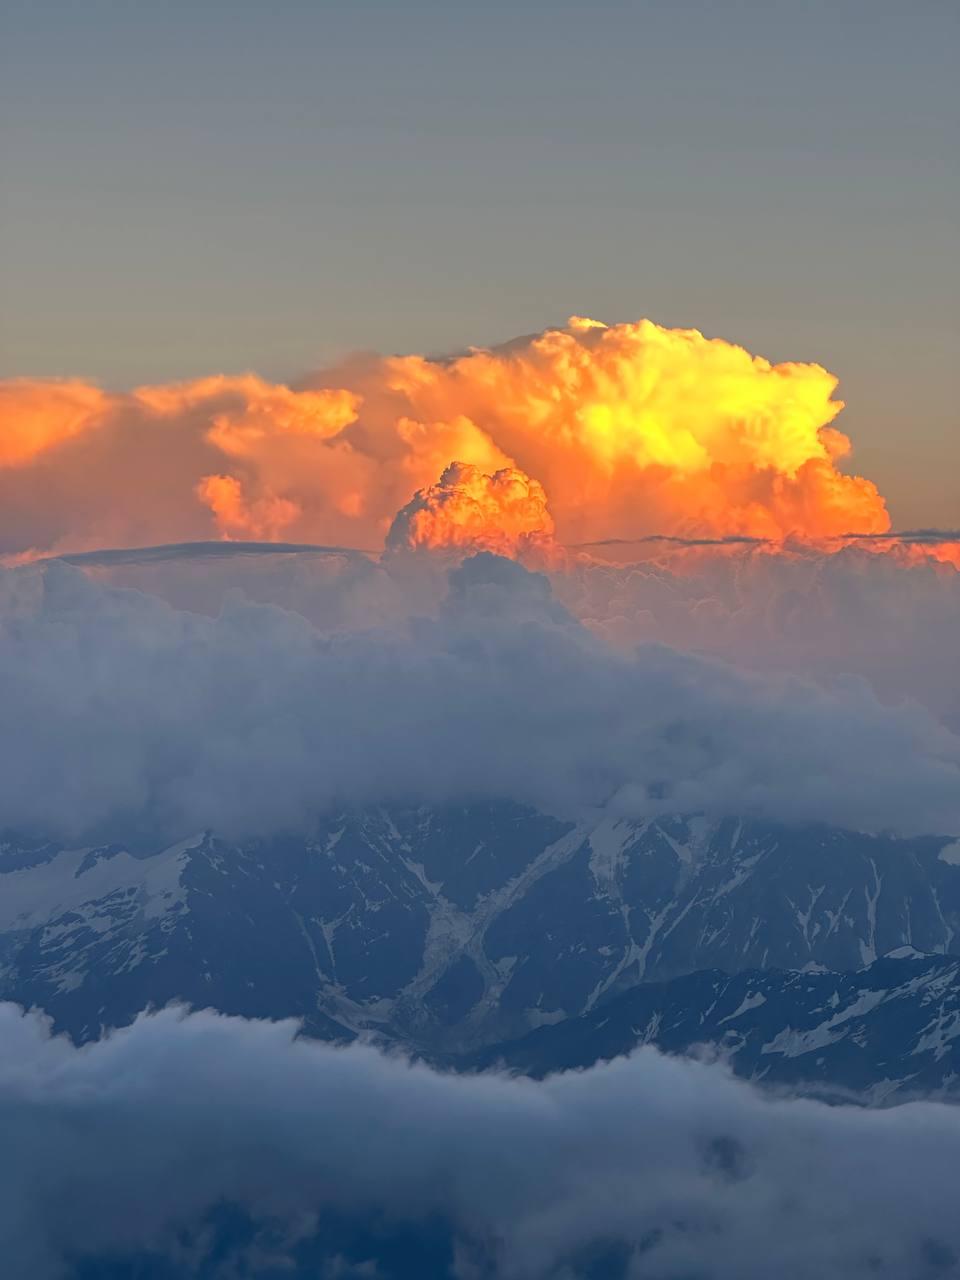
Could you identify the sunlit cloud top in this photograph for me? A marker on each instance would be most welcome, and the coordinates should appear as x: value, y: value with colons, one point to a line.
x: 618, y: 431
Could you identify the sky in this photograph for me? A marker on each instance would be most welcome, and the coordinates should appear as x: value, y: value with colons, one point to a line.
x: 197, y: 189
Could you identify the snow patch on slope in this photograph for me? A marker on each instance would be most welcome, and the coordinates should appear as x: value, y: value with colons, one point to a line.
x: 35, y: 895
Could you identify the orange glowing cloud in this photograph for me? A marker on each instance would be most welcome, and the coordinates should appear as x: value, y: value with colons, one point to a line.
x: 636, y: 429
x: 947, y: 553
x: 264, y: 519
x: 249, y: 412
x: 940, y: 552
x: 505, y: 513
x: 37, y: 415
x: 625, y: 431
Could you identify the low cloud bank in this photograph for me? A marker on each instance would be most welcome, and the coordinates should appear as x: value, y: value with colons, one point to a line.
x: 122, y: 713
x: 890, y: 617
x: 664, y: 1167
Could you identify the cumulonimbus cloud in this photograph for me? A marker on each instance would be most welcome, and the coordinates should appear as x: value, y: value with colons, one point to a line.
x: 128, y: 1146
x: 628, y: 430
x: 505, y: 513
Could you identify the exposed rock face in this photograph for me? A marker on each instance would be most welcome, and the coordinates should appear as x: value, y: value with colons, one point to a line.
x: 454, y: 928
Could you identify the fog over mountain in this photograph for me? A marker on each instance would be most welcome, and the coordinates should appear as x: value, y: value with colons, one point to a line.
x: 647, y: 1167
x: 121, y: 710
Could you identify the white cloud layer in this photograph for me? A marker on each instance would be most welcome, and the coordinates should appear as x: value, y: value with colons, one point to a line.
x: 116, y: 1146
x: 891, y: 617
x: 122, y: 713
x: 893, y: 620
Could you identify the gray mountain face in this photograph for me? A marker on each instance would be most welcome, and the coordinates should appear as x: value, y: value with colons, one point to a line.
x: 885, y: 1034
x: 454, y: 928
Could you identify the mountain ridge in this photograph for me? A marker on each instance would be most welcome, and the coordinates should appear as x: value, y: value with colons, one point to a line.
x: 453, y: 928
x: 883, y: 1034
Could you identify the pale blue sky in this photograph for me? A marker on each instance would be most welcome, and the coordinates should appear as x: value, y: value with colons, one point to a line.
x: 204, y: 186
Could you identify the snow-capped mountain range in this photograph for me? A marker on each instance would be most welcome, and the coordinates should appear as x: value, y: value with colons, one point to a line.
x: 886, y: 1033
x: 454, y: 929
